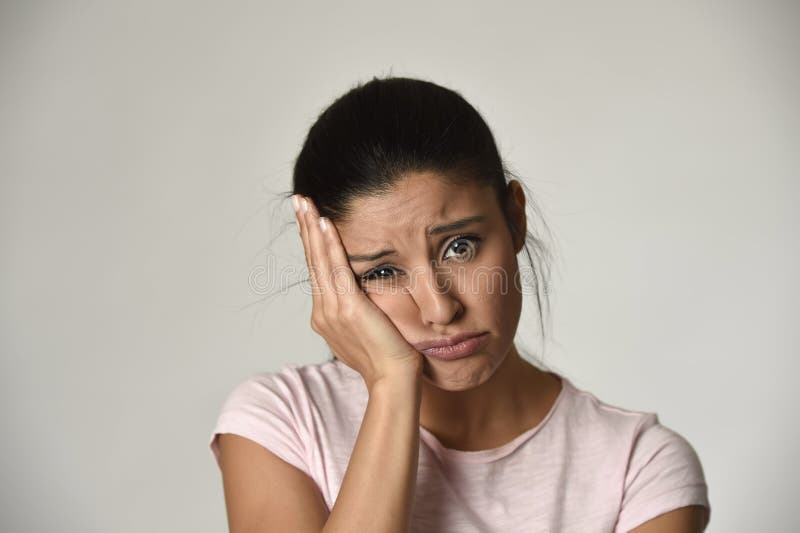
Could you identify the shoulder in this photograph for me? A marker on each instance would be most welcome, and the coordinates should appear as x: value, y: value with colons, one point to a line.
x: 640, y: 434
x: 278, y: 408
x: 291, y: 383
x: 660, y: 469
x: 664, y: 473
x: 587, y: 415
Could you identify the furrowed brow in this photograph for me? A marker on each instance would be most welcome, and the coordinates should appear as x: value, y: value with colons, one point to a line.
x: 361, y: 258
x: 458, y: 224
x: 436, y: 230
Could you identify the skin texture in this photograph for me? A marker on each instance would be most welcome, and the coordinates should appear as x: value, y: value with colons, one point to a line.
x: 436, y: 286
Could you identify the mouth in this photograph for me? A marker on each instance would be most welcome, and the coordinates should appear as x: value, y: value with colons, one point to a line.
x: 455, y: 347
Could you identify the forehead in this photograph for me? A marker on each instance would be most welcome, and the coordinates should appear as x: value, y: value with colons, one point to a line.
x: 418, y: 201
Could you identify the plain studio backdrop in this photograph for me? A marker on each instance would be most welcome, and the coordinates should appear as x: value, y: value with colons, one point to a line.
x: 142, y: 145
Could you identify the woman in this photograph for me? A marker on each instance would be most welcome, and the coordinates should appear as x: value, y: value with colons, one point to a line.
x: 428, y: 419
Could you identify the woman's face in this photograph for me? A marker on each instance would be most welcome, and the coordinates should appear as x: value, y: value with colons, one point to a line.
x: 438, y: 282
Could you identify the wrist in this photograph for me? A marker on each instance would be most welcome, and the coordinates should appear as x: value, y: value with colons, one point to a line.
x: 406, y: 379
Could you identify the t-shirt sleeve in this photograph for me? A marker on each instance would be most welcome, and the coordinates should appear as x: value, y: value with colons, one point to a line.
x: 664, y: 473
x: 268, y: 409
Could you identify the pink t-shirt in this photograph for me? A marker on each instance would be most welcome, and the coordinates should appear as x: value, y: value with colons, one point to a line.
x: 587, y: 467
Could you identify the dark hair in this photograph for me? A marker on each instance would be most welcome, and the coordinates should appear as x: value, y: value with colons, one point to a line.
x: 372, y: 135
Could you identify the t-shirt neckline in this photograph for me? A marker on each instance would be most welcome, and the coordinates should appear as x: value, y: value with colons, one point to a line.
x: 492, y: 454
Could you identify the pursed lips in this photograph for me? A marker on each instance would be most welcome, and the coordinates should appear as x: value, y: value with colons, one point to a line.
x: 445, y: 341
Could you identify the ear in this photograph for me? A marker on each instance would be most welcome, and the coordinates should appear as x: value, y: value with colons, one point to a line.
x: 516, y: 213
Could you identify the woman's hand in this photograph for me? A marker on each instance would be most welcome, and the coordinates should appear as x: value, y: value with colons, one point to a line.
x: 358, y: 332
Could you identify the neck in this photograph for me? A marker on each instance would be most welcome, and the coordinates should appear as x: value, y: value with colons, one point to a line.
x: 515, y: 398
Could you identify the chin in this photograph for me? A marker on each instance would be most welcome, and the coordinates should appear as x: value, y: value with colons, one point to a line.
x: 460, y: 374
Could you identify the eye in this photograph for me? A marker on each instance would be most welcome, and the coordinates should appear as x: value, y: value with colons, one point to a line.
x: 464, y: 246
x: 378, y: 273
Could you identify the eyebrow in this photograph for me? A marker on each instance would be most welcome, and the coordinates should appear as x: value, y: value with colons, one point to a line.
x: 436, y: 230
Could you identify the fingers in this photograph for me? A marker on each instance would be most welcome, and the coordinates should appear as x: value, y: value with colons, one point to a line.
x: 318, y: 251
x: 316, y: 257
x: 342, y: 276
x: 327, y: 254
x: 301, y: 209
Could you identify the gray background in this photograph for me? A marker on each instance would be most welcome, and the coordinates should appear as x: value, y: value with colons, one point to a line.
x: 141, y: 145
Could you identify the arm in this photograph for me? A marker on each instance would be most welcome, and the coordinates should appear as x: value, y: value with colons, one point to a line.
x: 378, y: 487
x: 265, y: 494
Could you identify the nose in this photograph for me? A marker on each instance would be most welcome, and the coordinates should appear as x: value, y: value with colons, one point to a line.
x: 435, y: 296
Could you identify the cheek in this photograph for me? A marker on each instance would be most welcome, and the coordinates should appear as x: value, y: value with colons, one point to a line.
x: 493, y: 277
x: 493, y: 289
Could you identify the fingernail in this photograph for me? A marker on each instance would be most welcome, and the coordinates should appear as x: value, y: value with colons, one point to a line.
x: 305, y: 205
x: 295, y: 203
x: 323, y: 224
